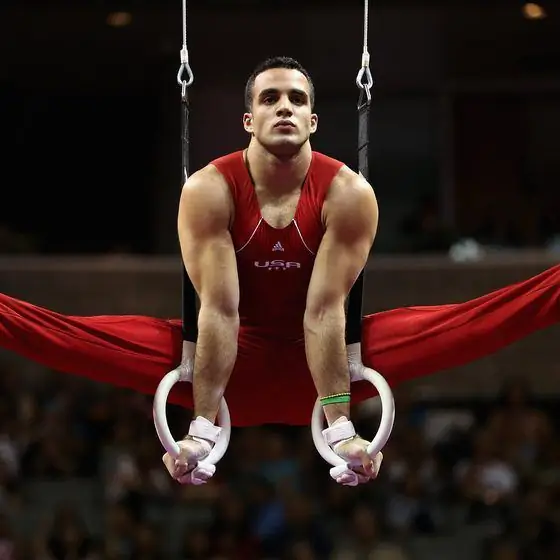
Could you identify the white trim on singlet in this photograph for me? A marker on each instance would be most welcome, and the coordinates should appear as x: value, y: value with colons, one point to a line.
x: 301, y: 237
x: 251, y: 237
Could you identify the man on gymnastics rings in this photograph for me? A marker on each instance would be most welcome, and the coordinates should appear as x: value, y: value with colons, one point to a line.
x: 273, y: 237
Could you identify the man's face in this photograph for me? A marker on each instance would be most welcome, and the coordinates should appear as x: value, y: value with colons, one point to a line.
x: 281, y: 118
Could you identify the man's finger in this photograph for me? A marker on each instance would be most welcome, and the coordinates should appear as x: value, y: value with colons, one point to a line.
x: 362, y: 478
x: 367, y: 463
x: 348, y: 479
x: 179, y: 469
x: 377, y: 463
x: 183, y: 475
x: 168, y: 462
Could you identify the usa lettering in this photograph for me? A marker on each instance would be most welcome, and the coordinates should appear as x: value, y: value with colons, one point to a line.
x: 277, y: 265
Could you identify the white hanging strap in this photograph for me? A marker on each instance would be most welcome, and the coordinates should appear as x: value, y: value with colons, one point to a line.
x: 185, y: 67
x: 364, y: 79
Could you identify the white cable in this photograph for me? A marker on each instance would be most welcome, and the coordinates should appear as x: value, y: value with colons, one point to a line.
x: 184, y: 24
x: 364, y: 79
x: 185, y: 67
x: 366, y: 19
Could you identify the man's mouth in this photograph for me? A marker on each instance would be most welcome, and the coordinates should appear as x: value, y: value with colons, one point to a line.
x: 284, y: 124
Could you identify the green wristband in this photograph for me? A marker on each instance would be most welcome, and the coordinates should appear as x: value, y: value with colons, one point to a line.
x: 335, y: 399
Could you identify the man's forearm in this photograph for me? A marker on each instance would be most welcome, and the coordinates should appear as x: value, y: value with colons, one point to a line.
x: 216, y: 352
x: 325, y: 348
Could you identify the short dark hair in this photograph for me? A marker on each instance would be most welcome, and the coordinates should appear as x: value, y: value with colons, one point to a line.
x: 269, y: 64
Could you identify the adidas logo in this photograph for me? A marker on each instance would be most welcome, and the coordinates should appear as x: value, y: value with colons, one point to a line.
x: 278, y: 246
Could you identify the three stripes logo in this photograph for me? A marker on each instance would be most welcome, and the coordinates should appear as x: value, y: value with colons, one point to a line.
x: 278, y: 246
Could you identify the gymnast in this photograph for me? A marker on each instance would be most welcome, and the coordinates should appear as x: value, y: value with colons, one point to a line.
x: 273, y: 238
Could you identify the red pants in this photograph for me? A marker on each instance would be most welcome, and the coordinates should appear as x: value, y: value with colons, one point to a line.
x: 271, y: 382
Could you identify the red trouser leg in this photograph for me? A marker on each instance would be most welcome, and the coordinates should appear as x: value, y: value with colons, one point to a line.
x: 127, y: 351
x: 135, y: 351
x: 417, y: 341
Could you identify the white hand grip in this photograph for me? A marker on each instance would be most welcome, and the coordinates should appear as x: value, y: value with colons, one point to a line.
x: 162, y: 427
x: 358, y: 372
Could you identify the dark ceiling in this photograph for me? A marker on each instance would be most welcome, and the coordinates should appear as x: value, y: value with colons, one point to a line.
x: 64, y: 42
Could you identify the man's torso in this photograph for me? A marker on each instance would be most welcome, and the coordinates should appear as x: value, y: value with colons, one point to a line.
x: 276, y: 240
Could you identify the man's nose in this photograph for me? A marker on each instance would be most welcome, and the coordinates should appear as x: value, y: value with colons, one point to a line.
x: 284, y: 108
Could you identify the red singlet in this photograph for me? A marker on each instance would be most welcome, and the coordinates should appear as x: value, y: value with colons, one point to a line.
x: 275, y: 264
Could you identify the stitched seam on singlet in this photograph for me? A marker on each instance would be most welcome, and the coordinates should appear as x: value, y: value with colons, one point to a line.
x: 302, y: 239
x: 251, y: 237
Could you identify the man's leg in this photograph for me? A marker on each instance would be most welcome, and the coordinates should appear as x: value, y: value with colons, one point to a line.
x: 135, y: 351
x: 417, y: 341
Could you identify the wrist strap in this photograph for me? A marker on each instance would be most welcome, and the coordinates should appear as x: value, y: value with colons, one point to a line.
x: 202, y: 428
x: 339, y: 431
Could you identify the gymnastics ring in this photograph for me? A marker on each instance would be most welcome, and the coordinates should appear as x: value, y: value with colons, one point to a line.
x: 184, y: 373
x: 358, y: 372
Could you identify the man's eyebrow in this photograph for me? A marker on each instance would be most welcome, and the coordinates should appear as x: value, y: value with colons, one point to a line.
x: 270, y: 91
x: 267, y: 91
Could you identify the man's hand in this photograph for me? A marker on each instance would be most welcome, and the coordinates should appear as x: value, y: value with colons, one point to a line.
x: 354, y: 451
x: 349, y: 446
x: 192, y: 451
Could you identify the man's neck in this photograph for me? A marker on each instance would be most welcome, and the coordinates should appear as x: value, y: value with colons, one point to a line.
x: 277, y: 173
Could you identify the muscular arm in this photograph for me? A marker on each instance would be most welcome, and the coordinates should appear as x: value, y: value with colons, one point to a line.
x: 350, y: 214
x: 205, y: 212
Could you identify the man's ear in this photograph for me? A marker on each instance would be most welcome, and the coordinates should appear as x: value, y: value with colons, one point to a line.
x: 248, y: 122
x: 314, y: 122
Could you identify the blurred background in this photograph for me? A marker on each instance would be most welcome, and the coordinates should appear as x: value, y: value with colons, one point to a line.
x: 464, y: 160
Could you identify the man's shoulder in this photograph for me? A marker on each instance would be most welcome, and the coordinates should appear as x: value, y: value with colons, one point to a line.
x: 342, y: 175
x: 208, y: 182
x: 228, y: 159
x: 349, y: 188
x: 207, y: 188
x: 324, y: 159
x: 219, y: 170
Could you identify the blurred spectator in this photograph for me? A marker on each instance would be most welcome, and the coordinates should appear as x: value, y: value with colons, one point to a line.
x: 487, y: 482
x: 445, y: 470
x: 119, y: 531
x: 519, y: 426
x: 503, y: 549
x: 10, y: 548
x: 65, y: 538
